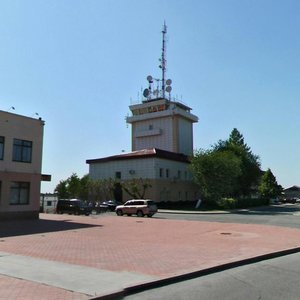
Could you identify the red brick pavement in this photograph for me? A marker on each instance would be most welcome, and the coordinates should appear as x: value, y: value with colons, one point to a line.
x: 14, y: 288
x: 153, y: 246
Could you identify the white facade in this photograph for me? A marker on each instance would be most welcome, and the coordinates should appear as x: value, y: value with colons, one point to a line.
x: 150, y: 168
x: 48, y: 203
x: 162, y: 124
x: 162, y: 140
x: 167, y: 172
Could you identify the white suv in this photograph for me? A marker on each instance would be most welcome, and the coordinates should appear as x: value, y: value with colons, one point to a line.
x: 139, y: 207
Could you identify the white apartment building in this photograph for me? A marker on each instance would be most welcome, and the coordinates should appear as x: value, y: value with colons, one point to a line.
x: 21, y: 144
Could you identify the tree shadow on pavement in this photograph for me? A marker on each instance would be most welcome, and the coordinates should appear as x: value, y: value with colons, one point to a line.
x: 270, y: 210
x: 26, y: 227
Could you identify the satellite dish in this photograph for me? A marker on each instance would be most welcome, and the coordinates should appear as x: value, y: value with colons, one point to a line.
x: 149, y: 78
x: 146, y: 93
x: 168, y: 88
x: 169, y: 82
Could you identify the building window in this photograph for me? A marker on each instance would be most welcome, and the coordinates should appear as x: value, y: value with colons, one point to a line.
x: 161, y: 172
x: 1, y: 147
x: 150, y: 127
x: 49, y: 203
x: 167, y: 173
x: 179, y: 174
x: 179, y: 196
x: 22, y: 151
x: 19, y: 193
x: 118, y: 175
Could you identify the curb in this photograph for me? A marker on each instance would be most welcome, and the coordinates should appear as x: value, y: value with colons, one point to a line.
x: 185, y: 212
x: 186, y: 276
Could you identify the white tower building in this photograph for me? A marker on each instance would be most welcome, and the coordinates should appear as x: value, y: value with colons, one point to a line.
x: 162, y: 124
x: 162, y: 141
x: 159, y: 122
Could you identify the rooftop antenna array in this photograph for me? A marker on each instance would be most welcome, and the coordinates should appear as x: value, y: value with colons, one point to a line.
x: 163, y: 61
x: 163, y: 85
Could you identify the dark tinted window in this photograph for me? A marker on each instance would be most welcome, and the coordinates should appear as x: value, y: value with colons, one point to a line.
x: 1, y: 147
x: 19, y: 193
x: 22, y: 150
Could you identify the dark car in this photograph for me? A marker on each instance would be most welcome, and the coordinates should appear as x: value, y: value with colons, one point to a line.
x: 111, y: 204
x: 72, y: 206
x: 289, y: 200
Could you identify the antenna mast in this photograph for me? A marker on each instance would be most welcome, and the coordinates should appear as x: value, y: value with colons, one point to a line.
x: 163, y: 59
x: 165, y: 84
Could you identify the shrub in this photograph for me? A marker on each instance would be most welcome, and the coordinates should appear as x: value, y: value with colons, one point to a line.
x: 179, y: 205
x: 250, y: 202
x: 227, y: 203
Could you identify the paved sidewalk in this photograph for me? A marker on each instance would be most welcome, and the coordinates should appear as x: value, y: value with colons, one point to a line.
x: 79, y: 257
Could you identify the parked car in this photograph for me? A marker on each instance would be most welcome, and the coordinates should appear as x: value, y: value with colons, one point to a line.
x: 139, y: 207
x: 289, y: 200
x: 111, y: 204
x: 100, y: 208
x: 72, y: 206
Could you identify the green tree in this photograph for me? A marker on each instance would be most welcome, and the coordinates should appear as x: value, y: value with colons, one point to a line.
x: 268, y: 187
x: 216, y: 173
x: 84, y: 187
x: 62, y: 190
x: 250, y: 164
x: 74, y: 186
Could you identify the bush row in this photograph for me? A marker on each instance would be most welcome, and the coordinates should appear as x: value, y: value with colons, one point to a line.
x: 232, y: 203
x: 224, y: 203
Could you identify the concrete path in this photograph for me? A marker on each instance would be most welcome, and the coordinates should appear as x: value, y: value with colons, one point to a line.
x: 84, y: 280
x: 79, y: 257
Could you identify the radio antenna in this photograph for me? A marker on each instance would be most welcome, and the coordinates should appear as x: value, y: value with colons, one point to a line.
x: 160, y: 92
x: 163, y: 59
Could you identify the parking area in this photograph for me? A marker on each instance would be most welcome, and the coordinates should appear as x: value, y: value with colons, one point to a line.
x: 80, y: 257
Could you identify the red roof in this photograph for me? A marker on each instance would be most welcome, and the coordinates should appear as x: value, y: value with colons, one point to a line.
x: 145, y: 153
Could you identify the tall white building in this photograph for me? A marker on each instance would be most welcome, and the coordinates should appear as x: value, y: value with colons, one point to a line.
x: 162, y: 141
x: 163, y: 124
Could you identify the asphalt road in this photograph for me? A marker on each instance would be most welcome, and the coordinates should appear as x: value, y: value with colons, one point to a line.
x: 287, y: 215
x: 273, y: 279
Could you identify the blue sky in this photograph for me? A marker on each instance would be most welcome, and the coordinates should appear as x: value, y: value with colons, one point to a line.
x: 79, y: 64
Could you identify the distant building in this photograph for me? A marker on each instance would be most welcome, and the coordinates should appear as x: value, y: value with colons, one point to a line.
x: 21, y: 144
x: 162, y: 141
x: 48, y: 203
x: 292, y: 192
x: 167, y: 172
